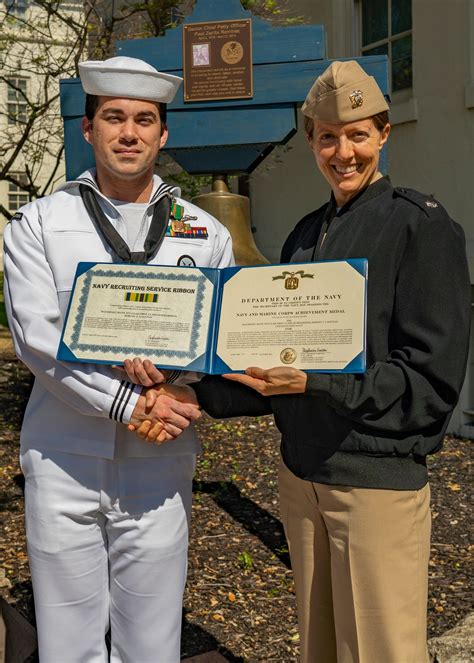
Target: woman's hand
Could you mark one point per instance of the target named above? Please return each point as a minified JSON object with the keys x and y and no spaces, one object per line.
{"x":168,"y":411}
{"x":143,"y":371}
{"x":272,"y":381}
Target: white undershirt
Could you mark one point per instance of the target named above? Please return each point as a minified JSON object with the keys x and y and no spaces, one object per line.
{"x":133,"y":214}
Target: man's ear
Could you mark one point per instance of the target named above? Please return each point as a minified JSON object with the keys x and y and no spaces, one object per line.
{"x":86,"y":127}
{"x":164,"y":136}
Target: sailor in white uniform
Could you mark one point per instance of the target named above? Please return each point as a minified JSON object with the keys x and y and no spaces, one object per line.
{"x":107,"y":514}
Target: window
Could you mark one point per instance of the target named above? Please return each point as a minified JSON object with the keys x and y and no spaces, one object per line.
{"x":72,"y":5}
{"x":17,"y":7}
{"x":387,"y":30}
{"x":16,"y":196}
{"x":17,"y":106}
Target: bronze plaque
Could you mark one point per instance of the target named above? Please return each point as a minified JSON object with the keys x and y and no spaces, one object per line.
{"x":217,"y":60}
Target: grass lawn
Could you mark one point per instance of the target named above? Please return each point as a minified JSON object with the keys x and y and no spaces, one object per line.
{"x":3,"y":317}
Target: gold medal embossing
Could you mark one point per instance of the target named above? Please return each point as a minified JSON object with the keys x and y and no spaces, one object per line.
{"x":288,"y":356}
{"x":232,"y":52}
{"x":291,"y":279}
{"x":177,"y":226}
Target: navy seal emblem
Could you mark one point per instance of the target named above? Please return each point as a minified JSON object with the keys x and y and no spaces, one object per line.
{"x":186,"y":261}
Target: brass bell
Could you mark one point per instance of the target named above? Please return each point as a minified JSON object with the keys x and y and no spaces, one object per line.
{"x":233,"y":211}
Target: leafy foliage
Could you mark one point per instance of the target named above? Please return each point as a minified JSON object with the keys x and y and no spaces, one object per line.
{"x":275,"y":10}
{"x":44,"y":44}
{"x":39,"y":47}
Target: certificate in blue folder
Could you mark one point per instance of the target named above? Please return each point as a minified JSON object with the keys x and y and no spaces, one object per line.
{"x":311,"y":316}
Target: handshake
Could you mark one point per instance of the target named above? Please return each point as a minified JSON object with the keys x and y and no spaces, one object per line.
{"x":163,"y":411}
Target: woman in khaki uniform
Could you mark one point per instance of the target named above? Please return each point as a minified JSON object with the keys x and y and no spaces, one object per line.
{"x":353,"y":481}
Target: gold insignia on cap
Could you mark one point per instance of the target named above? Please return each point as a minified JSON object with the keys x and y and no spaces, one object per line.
{"x":431,"y":203}
{"x":357,"y":98}
{"x":344,"y":92}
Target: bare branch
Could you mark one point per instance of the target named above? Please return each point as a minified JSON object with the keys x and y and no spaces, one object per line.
{"x":5,"y":212}
{"x":54,"y":169}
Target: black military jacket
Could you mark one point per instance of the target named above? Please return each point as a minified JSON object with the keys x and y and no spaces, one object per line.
{"x":375,"y":429}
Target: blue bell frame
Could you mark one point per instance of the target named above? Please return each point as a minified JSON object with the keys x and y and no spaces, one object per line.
{"x":229,"y":136}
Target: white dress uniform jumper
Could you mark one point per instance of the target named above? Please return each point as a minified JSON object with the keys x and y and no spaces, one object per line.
{"x":107,"y":514}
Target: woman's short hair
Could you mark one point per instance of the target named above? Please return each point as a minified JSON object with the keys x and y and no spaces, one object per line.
{"x":380,"y":120}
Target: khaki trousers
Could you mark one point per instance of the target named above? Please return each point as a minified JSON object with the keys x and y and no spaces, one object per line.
{"x":360,"y":564}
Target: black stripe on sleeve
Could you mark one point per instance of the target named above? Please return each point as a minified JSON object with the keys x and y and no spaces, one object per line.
{"x":126,"y":401}
{"x":173,"y":376}
{"x":121,"y":400}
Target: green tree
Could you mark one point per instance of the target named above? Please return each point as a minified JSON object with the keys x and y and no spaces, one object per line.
{"x":39,"y":45}
{"x":43,"y":43}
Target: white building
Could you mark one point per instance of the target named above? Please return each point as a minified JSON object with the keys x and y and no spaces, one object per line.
{"x":36,"y":50}
{"x":431,"y":147}
{"x":430,"y":44}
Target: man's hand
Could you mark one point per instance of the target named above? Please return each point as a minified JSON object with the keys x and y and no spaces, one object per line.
{"x":143,"y":372}
{"x":273,"y":381}
{"x":164,"y":412}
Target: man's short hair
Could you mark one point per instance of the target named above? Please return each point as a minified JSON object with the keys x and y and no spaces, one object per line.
{"x":92,"y":104}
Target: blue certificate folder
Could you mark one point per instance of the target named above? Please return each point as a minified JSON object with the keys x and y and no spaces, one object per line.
{"x":310,"y":316}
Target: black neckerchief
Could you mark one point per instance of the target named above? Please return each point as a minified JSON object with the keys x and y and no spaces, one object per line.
{"x":156,"y":231}
{"x":370,"y":191}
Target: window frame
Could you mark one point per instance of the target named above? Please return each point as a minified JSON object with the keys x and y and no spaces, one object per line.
{"x":398,"y":95}
{"x":17,"y":107}
{"x":17,"y":7}
{"x":17,"y":197}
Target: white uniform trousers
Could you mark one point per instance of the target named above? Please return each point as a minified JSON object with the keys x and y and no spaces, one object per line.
{"x":108,"y":539}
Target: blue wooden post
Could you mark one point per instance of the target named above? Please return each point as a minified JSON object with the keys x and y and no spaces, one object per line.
{"x":234,"y":135}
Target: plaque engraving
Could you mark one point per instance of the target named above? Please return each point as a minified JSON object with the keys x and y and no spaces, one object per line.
{"x":217,"y":60}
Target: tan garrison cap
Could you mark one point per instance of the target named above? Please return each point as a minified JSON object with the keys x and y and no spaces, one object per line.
{"x":344,"y":93}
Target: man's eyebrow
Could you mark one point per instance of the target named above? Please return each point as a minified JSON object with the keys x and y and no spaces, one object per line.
{"x":112,"y":110}
{"x":140,"y":114}
{"x":147,"y":113}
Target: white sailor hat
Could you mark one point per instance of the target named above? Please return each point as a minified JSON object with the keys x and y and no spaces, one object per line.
{"x":128,"y":77}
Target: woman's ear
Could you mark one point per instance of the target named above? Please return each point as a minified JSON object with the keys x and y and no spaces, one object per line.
{"x":384,"y":135}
